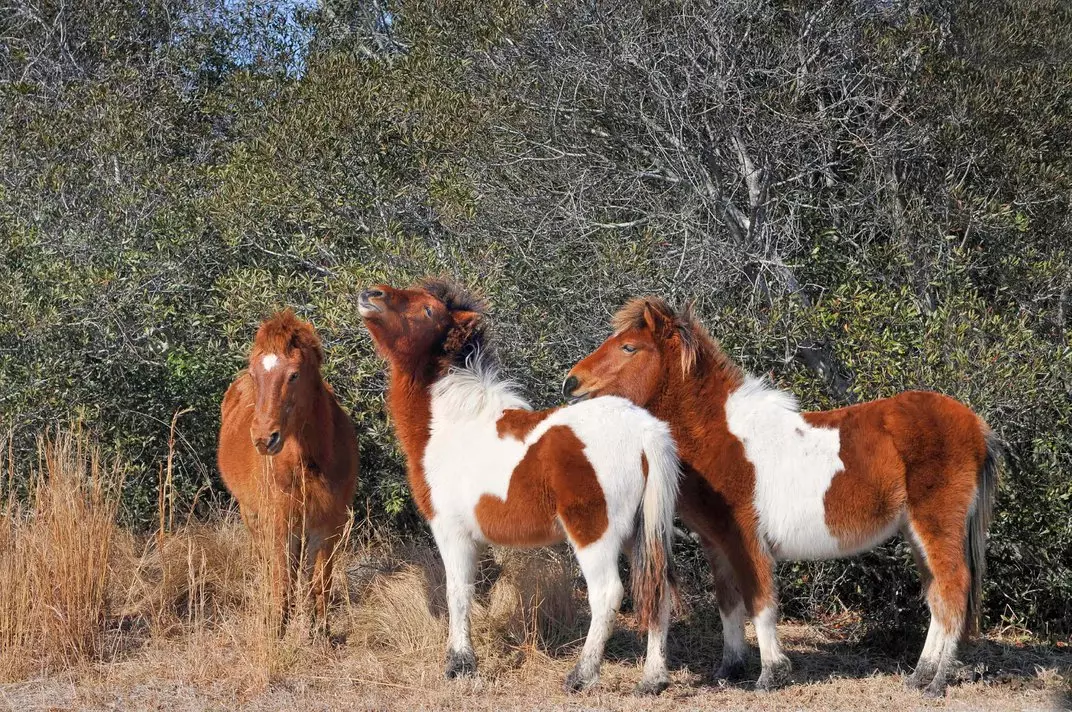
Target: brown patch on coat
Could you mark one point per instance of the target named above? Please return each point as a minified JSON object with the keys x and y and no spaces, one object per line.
{"x":867,"y":495}
{"x":518,"y":423}
{"x":553,"y":482}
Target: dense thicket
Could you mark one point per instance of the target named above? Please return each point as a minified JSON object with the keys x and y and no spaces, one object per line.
{"x":863,"y":197}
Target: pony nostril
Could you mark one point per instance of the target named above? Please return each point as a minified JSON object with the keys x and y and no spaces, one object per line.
{"x":273,"y":440}
{"x":570,"y":386}
{"x":371,"y":294}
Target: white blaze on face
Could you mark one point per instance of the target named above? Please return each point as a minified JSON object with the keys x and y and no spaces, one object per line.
{"x":269,"y":362}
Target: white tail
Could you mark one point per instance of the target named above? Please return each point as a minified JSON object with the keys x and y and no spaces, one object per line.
{"x":652,"y":574}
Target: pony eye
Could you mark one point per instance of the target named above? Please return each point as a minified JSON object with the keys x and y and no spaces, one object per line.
{"x":293,"y":377}
{"x":428,"y":311}
{"x":629,"y":348}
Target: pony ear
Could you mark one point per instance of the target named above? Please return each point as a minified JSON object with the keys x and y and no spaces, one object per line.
{"x":656,"y":322}
{"x":465,"y":324}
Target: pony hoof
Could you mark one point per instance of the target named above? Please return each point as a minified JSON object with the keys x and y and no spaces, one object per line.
{"x":460,"y":664}
{"x":577,"y":681}
{"x":935,"y":690}
{"x":651,"y":687}
{"x":919,"y":678}
{"x":730,"y":671}
{"x":773,"y":675}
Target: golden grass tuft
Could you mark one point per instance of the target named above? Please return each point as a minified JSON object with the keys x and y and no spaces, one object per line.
{"x":533,"y":603}
{"x":198,"y":574}
{"x":55,"y":552}
{"x":402,"y":610}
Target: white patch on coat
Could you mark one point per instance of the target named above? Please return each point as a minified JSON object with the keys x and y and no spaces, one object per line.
{"x":269,"y":361}
{"x":794,"y":465}
{"x":465,"y":458}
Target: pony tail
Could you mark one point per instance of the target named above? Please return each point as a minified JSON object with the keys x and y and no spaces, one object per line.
{"x":652,"y":578}
{"x":978,"y":523}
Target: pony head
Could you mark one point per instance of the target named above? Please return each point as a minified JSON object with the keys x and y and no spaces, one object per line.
{"x":651,"y":343}
{"x":285,"y":367}
{"x":434,"y":324}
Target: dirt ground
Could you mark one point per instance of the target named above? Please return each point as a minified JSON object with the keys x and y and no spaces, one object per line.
{"x":211,"y":671}
{"x":180,"y":621}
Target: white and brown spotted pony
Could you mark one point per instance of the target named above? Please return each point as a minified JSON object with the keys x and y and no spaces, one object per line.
{"x":485,"y":468}
{"x":765,"y":482}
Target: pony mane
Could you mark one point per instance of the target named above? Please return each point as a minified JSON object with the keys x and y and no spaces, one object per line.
{"x":476,"y":390}
{"x":284,"y":332}
{"x":698,"y":347}
{"x":470,"y":349}
{"x":761,"y":391}
{"x":470,"y":384}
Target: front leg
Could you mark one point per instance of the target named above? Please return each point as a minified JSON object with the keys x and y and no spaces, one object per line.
{"x":731,"y":610}
{"x":458,"y":551}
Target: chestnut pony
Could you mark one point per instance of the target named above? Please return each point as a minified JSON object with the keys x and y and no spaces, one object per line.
{"x":485,"y":468}
{"x":765,"y":482}
{"x":288,"y":453}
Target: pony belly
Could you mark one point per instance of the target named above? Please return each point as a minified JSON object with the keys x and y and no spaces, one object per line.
{"x":812,"y":539}
{"x":804,"y":539}
{"x":501,"y":524}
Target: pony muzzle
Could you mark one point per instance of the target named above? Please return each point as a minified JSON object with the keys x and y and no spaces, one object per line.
{"x":570,"y":388}
{"x":270,"y":444}
{"x":370,"y":301}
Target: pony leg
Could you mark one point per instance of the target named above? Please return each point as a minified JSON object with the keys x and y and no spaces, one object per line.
{"x":656,"y":677}
{"x":322,"y":570}
{"x":458,"y":551}
{"x":928,"y":659}
{"x":947,"y":598}
{"x":762,"y":605}
{"x":731,"y":611}
{"x":599,"y":564}
{"x":281,"y":577}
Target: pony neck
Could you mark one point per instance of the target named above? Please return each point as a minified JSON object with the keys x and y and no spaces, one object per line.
{"x":409,"y":401}
{"x":695,"y":403}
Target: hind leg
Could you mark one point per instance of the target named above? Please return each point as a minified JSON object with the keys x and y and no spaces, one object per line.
{"x":731,"y":611}
{"x":942,"y":546}
{"x":928,"y":659}
{"x":321,"y":582}
{"x":656,"y":676}
{"x":599,"y":564}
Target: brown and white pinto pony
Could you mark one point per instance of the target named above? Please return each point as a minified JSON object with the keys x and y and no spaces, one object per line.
{"x":288,"y":453}
{"x":485,"y":468}
{"x":765,"y":482}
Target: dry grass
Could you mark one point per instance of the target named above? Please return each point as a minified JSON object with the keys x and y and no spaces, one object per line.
{"x":55,"y":554}
{"x":93,"y":616}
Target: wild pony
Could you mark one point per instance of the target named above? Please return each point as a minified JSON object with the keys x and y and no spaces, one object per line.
{"x":485,"y":468}
{"x":765,"y":482}
{"x":288,"y":453}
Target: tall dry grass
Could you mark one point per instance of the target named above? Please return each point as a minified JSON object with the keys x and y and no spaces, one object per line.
{"x":56,"y":546}
{"x":193,"y":601}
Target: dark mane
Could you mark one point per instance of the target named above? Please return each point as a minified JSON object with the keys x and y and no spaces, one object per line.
{"x":283,"y":332}
{"x":461,"y":347}
{"x":698,"y":348}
